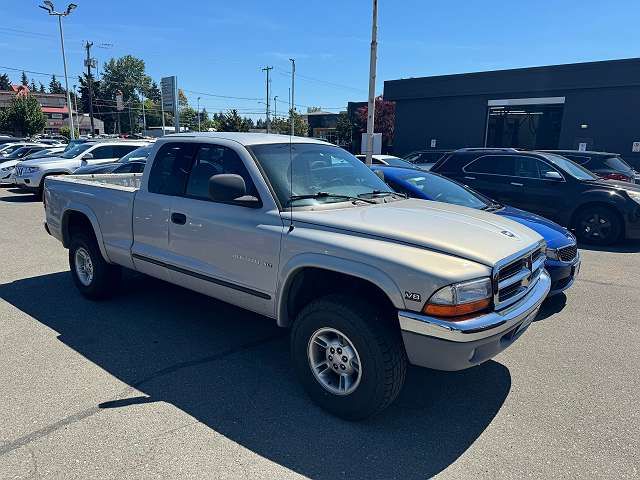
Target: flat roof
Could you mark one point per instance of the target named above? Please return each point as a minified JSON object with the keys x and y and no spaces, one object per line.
{"x":573,"y":76}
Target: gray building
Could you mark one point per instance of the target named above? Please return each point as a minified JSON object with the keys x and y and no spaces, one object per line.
{"x":593,"y":106}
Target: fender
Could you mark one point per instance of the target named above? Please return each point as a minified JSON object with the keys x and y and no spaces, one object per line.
{"x":607,"y":196}
{"x":335,"y":264}
{"x":93,"y":219}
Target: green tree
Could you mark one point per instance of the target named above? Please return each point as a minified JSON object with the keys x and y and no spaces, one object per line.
{"x":65,"y":131}
{"x":5,"y":82}
{"x":23,"y":116}
{"x":41,"y":89}
{"x":24,"y":80}
{"x":182,"y":99}
{"x":283,"y":126}
{"x":233,"y":122}
{"x":32,"y":86}
{"x":344,"y":129}
{"x":55,"y":86}
{"x":313,"y":109}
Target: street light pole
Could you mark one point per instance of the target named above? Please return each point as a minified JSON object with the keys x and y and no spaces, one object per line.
{"x":372,"y":83}
{"x":275,"y":107}
{"x":75,"y":101}
{"x":48,"y":6}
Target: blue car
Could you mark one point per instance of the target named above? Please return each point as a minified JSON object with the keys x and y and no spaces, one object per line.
{"x":563,"y":258}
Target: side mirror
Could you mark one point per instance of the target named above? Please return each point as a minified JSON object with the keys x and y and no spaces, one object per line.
{"x":228,"y":187}
{"x":87,"y":156}
{"x":552,"y":175}
{"x":380,"y":174}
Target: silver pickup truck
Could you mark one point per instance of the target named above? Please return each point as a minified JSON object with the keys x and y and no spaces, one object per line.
{"x":301,"y":231}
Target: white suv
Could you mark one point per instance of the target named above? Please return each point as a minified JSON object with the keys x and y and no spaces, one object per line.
{"x":30,"y":174}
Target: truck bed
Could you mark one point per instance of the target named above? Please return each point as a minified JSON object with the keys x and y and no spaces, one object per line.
{"x":106,"y":199}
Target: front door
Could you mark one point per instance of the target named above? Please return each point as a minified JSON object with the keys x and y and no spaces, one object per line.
{"x":227,"y":250}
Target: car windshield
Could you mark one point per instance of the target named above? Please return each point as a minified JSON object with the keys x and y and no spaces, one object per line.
{"x":73,"y":144}
{"x":570,"y":167}
{"x":441,"y":189}
{"x":618,"y":164}
{"x":328,"y":173}
{"x":47,"y":152}
{"x":17,"y":153}
{"x":11,"y":149}
{"x":76,"y":150}
{"x":139,"y":154}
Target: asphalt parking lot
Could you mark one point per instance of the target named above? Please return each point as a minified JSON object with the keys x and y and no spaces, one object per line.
{"x":161,"y":382}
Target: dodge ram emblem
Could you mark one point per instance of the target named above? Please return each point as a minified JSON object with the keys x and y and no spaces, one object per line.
{"x":507,"y":233}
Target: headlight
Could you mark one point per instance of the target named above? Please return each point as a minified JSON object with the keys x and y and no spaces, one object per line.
{"x":30,"y":170}
{"x":460,"y":298}
{"x":635,"y":196}
{"x":7,"y":169}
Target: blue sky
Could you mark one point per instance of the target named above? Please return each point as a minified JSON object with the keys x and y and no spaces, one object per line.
{"x":219,"y":48}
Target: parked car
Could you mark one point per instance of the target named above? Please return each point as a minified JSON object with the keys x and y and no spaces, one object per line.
{"x":386,"y":160}
{"x":610,"y":166}
{"x":30,"y":173}
{"x":425,"y":159}
{"x":600,"y":211}
{"x":563,"y":259}
{"x":10,"y":147}
{"x":132,"y":162}
{"x":7,"y":139}
{"x":7,"y":165}
{"x":301,"y":231}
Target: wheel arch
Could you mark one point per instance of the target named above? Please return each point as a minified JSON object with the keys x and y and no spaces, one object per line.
{"x":81,"y":217}
{"x":592,"y":203}
{"x":310,"y":276}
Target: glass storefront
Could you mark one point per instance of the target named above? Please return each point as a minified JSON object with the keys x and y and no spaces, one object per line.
{"x":524,"y":126}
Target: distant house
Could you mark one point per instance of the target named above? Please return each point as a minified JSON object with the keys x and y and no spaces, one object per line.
{"x":322,"y":125}
{"x":54,"y":106}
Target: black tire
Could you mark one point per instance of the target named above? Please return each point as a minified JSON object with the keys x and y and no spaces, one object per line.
{"x":383,"y":360}
{"x":105,"y":277}
{"x":598,"y":225}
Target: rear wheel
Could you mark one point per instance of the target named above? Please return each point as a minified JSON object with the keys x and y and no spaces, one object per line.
{"x":93,"y":276}
{"x":598,"y":225}
{"x":348,"y":356}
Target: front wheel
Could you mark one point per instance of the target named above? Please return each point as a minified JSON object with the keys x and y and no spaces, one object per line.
{"x":348,"y":356}
{"x":598,"y":225}
{"x":93,"y":276}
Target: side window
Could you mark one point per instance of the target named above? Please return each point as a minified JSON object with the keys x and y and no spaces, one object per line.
{"x":137,"y":167}
{"x":120,"y":151}
{"x":491,"y":164}
{"x":171,"y":168}
{"x":103,"y":152}
{"x":526,"y":167}
{"x":213,"y":160}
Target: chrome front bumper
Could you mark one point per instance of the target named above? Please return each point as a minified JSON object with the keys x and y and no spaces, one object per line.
{"x":436,"y":343}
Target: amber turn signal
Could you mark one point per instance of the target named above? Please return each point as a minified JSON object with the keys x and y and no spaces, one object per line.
{"x":456,"y":310}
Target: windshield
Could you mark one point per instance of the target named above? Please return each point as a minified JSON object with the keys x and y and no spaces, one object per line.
{"x":139,"y":154}
{"x":572,"y":168}
{"x":316,"y":168}
{"x":10,"y":149}
{"x":618,"y":164}
{"x":17,"y":153}
{"x":76,"y":150}
{"x":73,"y":143}
{"x":47,"y":152}
{"x":440,"y":189}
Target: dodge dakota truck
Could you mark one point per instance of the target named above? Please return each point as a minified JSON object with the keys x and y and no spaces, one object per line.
{"x":301,"y":231}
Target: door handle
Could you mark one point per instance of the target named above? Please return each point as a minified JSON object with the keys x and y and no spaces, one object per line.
{"x":469,"y":178}
{"x":516,"y":184}
{"x":178,"y":218}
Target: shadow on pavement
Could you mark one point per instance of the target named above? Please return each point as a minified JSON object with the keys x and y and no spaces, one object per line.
{"x":230,"y":369}
{"x":551,"y":306}
{"x":22,"y":196}
{"x":625,"y":246}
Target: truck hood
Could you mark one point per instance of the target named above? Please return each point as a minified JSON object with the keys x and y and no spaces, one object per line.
{"x":555,"y":235}
{"x":472,"y":234}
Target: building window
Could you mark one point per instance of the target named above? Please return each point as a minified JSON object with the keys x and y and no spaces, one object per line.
{"x":524,"y":126}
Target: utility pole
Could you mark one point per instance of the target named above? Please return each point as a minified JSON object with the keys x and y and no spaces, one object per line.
{"x":268,"y":69}
{"x":144,"y":117}
{"x":372,"y":83}
{"x":89,"y":63}
{"x":199,"y":114}
{"x":275,"y":107}
{"x":293,"y":90}
{"x":162,"y":111}
{"x":75,"y":100}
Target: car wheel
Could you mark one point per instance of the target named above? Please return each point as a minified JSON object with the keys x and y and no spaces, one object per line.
{"x":348,"y":356}
{"x":598,"y":225}
{"x":93,"y":276}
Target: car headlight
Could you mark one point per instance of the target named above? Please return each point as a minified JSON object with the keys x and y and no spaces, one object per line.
{"x":460,"y":298}
{"x":635,"y":196}
{"x":7,"y":169}
{"x":30,"y":170}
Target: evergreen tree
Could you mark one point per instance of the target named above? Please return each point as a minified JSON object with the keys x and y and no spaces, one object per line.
{"x":24,"y":80}
{"x":41,"y":89}
{"x":32,"y":86}
{"x":5,"y":82}
{"x":55,"y":86}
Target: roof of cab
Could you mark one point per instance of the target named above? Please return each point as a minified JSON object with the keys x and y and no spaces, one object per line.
{"x":245,"y":138}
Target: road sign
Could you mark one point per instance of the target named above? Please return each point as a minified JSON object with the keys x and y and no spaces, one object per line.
{"x":169,"y":93}
{"x":119,"y":101}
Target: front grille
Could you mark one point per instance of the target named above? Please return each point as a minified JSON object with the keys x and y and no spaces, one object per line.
{"x":19,"y":170}
{"x":568,"y":254}
{"x":514,"y":279}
